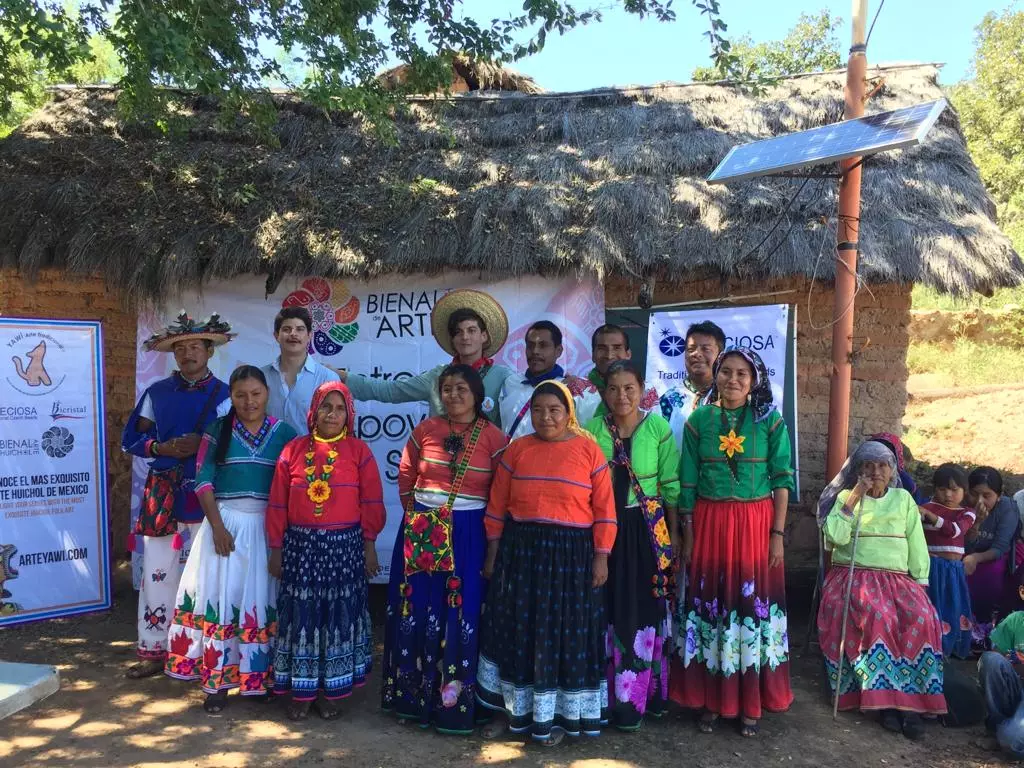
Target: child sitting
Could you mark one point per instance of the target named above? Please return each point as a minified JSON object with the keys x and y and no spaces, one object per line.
{"x":945,"y":524}
{"x":999,"y":673}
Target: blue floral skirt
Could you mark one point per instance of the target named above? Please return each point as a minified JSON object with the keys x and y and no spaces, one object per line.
{"x":542,"y":644}
{"x":430,"y":640}
{"x":324,"y":629}
{"x":947,"y":589}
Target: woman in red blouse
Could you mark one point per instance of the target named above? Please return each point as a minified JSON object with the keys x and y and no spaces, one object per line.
{"x":325,"y":512}
{"x":542,"y":645}
{"x":436,"y":590}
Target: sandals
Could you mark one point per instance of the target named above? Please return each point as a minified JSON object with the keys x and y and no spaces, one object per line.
{"x":328,"y":710}
{"x":299,"y":710}
{"x":145,"y":668}
{"x":553,"y":739}
{"x":749,"y":730}
{"x":707,"y":721}
{"x":215,"y":702}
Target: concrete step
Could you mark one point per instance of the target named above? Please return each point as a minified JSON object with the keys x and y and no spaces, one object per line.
{"x":22,"y":685}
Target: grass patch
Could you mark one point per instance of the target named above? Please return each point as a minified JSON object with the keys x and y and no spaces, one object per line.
{"x":924,"y":297}
{"x":967,"y":363}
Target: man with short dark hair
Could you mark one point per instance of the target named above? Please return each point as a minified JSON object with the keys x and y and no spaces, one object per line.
{"x":608,"y":344}
{"x":469,"y":325}
{"x":294,"y":376}
{"x":543,"y":348}
{"x":705,"y":341}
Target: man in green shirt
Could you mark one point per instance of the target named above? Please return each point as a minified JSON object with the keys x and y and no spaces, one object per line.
{"x":999,"y":673}
{"x":469,"y":325}
{"x":608,"y":344}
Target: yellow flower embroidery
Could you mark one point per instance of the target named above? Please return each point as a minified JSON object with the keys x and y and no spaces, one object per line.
{"x":318,"y":491}
{"x":661,"y":532}
{"x":731,"y":444}
{"x":310,"y":455}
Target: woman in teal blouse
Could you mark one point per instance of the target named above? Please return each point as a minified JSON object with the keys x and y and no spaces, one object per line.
{"x":644,"y":460}
{"x":225,"y":617}
{"x":892,"y":658}
{"x":732,"y":639}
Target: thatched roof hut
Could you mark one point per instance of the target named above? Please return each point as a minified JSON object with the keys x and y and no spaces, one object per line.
{"x":609,"y":182}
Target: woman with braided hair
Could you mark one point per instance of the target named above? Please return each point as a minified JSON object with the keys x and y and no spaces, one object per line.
{"x":732,"y":643}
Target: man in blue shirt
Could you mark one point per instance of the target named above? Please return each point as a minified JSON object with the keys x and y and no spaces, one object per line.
{"x":294,"y":376}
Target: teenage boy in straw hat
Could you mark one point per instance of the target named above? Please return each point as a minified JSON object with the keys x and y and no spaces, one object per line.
{"x":469,"y":325}
{"x":166,"y":427}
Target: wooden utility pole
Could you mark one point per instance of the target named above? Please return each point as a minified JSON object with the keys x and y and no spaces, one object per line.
{"x":846,"y":255}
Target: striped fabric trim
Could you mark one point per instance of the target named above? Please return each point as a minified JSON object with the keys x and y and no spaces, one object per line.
{"x":951,"y":550}
{"x":554,"y":480}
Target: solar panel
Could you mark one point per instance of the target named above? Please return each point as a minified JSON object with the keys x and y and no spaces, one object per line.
{"x":829,"y":143}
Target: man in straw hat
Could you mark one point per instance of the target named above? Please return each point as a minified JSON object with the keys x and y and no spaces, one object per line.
{"x":543,"y":348}
{"x":471,"y":327}
{"x":166,"y":427}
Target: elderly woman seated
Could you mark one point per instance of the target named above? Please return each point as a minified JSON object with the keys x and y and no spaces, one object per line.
{"x":892,"y":657}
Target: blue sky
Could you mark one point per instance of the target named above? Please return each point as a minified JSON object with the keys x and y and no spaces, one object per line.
{"x":623,"y":50}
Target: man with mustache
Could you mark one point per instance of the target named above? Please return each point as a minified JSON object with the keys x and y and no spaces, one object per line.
{"x":543,"y":348}
{"x":166,"y":427}
{"x":704,"y":343}
{"x":609,"y":344}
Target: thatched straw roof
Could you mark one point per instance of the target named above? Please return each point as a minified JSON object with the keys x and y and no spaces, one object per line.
{"x":470,"y":74}
{"x":608,"y":182}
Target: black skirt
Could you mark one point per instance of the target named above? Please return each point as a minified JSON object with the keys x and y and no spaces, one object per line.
{"x":542,"y":646}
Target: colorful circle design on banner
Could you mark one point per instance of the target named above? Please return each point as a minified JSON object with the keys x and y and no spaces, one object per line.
{"x":335,"y":312}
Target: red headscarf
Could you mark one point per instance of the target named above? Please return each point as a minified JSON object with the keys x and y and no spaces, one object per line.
{"x":893,"y":442}
{"x":318,"y":399}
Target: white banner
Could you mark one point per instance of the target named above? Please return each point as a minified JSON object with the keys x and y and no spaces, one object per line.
{"x":53,"y":471}
{"x":380,"y":329}
{"x":765,"y":329}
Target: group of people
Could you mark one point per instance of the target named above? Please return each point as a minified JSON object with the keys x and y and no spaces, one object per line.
{"x":573,"y":552}
{"x":914,"y":582}
{"x":534,"y":577}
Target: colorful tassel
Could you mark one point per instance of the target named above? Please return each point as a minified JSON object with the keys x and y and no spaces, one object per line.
{"x":130,"y":542}
{"x":177,"y":542}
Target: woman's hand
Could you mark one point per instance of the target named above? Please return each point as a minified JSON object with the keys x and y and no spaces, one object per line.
{"x":775,"y":550}
{"x":970,"y":564}
{"x":223,"y":541}
{"x":600,"y":569}
{"x":274,"y":563}
{"x":370,"y":555}
{"x":857,"y":493}
{"x":686,"y":551}
{"x":489,"y":559}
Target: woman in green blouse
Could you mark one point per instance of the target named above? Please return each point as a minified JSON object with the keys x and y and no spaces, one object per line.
{"x":892,"y":658}
{"x":644,"y":460}
{"x":732,"y":639}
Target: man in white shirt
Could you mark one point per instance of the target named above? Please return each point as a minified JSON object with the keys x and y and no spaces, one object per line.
{"x":294,"y":376}
{"x":704,"y":343}
{"x":543,"y":348}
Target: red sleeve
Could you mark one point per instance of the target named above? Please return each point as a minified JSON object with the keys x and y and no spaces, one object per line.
{"x":602,"y":501}
{"x":408,"y":468}
{"x":497,"y":505}
{"x":277,"y":505}
{"x":371,"y":494}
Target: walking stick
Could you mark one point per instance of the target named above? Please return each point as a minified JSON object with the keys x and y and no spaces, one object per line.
{"x":846,"y":608}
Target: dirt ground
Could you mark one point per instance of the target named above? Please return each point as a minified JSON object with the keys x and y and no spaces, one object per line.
{"x":101,"y":719}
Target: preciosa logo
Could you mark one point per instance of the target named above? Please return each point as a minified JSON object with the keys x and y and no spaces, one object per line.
{"x":18,"y":412}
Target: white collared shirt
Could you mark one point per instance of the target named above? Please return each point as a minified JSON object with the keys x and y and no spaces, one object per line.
{"x":515,"y":397}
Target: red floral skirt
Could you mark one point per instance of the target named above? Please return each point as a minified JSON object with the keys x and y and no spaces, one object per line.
{"x":732,"y":637}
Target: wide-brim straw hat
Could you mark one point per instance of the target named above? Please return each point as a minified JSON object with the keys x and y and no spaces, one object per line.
{"x":213,"y":329}
{"x":483,"y":304}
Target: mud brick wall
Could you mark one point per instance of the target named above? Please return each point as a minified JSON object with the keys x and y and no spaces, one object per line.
{"x":879,"y":394}
{"x":56,"y":294}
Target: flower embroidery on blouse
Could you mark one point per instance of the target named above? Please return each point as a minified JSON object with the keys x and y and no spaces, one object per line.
{"x":731,"y":444}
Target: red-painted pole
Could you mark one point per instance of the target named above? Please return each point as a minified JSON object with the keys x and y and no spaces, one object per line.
{"x":846,"y":256}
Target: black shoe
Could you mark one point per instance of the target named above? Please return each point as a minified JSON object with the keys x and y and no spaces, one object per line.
{"x":913,"y":727}
{"x":891,"y":721}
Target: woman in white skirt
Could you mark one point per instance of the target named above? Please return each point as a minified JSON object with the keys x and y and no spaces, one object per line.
{"x":225,"y":615}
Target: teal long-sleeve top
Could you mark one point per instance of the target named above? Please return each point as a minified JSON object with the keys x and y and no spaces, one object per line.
{"x":891,"y":535}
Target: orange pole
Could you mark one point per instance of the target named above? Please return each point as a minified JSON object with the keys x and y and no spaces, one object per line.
{"x":846,"y":257}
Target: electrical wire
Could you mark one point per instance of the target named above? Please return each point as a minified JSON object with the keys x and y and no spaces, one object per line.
{"x":872,"y":27}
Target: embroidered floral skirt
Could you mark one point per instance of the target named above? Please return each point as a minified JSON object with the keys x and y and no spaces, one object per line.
{"x":639,"y":627}
{"x":430,"y":640}
{"x":947,"y":589}
{"x":225,"y":617}
{"x":324,"y":630}
{"x":892,"y":658}
{"x":542,"y":649}
{"x":732,"y":641}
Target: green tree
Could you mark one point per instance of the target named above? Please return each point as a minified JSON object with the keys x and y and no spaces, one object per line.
{"x":991,"y":107}
{"x":810,"y":46}
{"x":233,"y":48}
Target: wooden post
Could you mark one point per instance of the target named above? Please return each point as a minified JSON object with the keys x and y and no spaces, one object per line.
{"x":846,"y":256}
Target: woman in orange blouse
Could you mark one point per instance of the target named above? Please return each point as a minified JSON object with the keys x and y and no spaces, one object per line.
{"x":542,"y":647}
{"x":325,"y":512}
{"x":435,"y":593}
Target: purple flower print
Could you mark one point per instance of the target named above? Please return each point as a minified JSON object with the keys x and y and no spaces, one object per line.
{"x":691,"y":640}
{"x":616,"y":655}
{"x":624,"y":684}
{"x":748,"y":588}
{"x":450,"y":694}
{"x":643,"y":643}
{"x":638,"y":691}
{"x":712,"y":608}
{"x":761,"y":608}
